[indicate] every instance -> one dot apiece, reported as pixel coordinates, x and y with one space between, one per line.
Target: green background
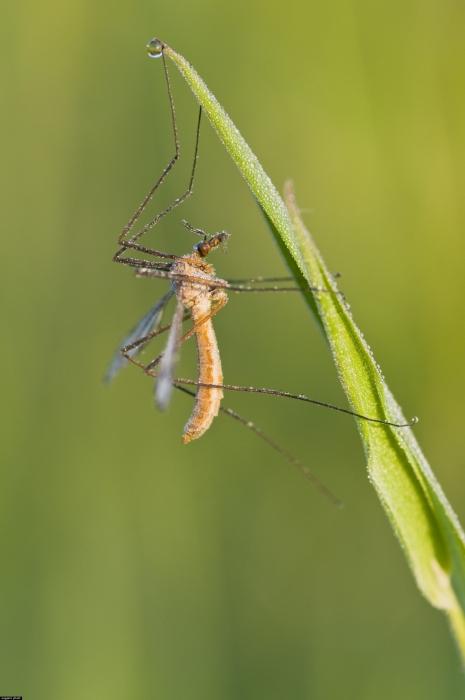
130 564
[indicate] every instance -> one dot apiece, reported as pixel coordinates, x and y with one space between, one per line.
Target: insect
199 296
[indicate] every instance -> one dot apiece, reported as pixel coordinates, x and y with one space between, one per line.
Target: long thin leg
317 483
297 397
259 279
130 224
123 239
148 269
291 459
126 243
145 264
179 200
148 369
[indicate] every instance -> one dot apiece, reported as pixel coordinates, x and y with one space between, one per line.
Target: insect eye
155 48
202 248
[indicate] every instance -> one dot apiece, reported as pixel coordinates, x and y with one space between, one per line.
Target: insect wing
164 385
148 323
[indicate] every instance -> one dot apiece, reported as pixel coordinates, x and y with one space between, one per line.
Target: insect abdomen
208 400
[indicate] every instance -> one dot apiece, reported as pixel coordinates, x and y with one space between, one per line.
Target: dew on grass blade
155 48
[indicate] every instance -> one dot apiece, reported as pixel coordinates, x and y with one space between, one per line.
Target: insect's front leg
139 262
126 241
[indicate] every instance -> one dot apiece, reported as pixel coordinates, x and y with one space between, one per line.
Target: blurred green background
130 564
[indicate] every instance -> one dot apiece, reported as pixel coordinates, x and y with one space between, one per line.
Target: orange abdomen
208 400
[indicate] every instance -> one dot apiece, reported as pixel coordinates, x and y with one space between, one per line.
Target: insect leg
299 397
317 483
127 228
139 262
125 242
260 279
150 269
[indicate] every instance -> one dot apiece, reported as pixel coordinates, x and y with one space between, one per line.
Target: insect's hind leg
317 483
299 397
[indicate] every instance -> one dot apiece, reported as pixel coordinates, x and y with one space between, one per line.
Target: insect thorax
187 291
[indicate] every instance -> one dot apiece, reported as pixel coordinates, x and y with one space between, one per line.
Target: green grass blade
417 508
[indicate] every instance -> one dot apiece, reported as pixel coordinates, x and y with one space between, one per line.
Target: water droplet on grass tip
155 48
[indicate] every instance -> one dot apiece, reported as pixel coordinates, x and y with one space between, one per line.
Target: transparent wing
164 382
151 321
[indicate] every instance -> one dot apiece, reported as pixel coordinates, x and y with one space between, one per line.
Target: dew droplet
155 48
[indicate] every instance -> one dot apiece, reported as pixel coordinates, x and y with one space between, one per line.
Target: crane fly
199 295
